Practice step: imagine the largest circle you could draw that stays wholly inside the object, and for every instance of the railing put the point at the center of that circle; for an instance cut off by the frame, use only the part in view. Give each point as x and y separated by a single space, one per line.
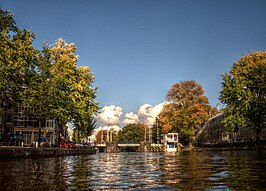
119 144
128 144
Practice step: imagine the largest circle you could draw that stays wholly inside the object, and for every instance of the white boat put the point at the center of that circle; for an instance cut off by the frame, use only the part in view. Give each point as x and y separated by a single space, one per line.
170 141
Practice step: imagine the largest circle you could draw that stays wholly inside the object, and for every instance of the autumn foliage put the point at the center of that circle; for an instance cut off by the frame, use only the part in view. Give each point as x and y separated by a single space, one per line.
187 109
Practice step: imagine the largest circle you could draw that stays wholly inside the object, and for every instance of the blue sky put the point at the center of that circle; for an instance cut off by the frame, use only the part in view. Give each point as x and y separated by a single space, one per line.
137 49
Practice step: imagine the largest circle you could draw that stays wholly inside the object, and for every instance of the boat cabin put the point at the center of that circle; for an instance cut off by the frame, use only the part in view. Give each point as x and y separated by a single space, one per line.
170 141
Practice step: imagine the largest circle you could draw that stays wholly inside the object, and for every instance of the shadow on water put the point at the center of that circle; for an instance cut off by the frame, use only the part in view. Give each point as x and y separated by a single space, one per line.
228 170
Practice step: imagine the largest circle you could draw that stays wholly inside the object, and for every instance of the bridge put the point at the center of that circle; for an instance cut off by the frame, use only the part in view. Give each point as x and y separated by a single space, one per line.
120 145
114 147
129 147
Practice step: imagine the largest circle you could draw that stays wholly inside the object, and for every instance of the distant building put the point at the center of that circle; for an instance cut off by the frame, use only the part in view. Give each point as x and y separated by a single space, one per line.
214 132
12 121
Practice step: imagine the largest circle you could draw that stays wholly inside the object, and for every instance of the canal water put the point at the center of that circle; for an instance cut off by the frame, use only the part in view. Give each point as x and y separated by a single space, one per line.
207 170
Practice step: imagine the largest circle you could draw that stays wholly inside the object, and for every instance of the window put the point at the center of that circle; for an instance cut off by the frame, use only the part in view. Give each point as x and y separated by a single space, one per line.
27 137
50 123
9 118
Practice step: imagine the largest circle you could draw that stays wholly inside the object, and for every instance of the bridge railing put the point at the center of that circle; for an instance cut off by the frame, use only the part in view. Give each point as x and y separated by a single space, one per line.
128 144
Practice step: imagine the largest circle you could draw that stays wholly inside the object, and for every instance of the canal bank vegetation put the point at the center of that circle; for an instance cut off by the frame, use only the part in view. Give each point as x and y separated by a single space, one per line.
48 82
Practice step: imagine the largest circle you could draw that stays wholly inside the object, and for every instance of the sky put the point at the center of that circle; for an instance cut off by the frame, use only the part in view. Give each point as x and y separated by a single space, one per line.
137 49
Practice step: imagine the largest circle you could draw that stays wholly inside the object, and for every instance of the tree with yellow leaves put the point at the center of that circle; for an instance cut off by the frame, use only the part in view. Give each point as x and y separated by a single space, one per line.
62 90
72 89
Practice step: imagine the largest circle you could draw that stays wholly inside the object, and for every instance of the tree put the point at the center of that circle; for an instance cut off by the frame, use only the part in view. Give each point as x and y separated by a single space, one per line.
244 93
7 22
18 59
61 90
71 93
132 133
186 111
49 82
37 93
82 102
85 130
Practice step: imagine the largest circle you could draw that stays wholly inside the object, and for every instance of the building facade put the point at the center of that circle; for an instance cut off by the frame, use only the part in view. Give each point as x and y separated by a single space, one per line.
12 121
214 132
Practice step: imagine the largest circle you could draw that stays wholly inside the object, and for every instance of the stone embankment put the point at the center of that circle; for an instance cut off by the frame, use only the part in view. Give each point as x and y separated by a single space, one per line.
248 145
29 152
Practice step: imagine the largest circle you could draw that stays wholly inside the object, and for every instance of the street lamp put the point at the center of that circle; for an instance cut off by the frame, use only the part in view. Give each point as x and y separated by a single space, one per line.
5 108
157 130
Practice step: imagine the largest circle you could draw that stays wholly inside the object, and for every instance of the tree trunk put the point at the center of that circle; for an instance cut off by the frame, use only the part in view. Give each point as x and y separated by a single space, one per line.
78 134
58 127
39 133
258 130
191 141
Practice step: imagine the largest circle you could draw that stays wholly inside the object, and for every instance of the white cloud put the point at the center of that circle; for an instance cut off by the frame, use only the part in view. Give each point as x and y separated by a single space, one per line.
110 115
131 118
106 127
113 128
148 113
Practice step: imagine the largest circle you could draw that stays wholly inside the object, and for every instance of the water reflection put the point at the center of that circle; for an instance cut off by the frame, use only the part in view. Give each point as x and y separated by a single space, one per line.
230 170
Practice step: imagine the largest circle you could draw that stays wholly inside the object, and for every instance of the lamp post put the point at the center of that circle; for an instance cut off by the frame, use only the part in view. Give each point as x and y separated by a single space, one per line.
150 139
157 130
145 139
145 134
5 109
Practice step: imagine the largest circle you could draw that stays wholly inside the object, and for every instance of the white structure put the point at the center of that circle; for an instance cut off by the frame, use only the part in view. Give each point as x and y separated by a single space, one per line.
170 141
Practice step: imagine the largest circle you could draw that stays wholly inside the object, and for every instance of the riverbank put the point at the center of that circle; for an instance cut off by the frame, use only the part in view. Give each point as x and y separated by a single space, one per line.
250 145
29 152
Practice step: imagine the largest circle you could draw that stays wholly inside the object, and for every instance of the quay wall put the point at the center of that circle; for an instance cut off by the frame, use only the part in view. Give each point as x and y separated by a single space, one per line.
248 145
29 152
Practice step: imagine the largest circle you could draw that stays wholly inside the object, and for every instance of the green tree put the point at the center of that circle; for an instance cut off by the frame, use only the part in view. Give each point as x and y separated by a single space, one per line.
89 127
37 93
7 22
82 105
186 111
18 60
85 130
244 93
132 133
49 82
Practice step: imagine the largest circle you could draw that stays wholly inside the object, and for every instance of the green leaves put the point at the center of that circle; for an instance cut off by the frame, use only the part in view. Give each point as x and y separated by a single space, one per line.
244 92
18 59
132 133
49 82
7 21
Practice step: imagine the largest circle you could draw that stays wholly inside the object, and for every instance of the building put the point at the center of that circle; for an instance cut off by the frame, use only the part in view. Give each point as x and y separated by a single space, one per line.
214 132
13 122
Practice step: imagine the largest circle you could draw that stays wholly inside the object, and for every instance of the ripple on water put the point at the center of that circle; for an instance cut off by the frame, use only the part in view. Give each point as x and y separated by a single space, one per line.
138 171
